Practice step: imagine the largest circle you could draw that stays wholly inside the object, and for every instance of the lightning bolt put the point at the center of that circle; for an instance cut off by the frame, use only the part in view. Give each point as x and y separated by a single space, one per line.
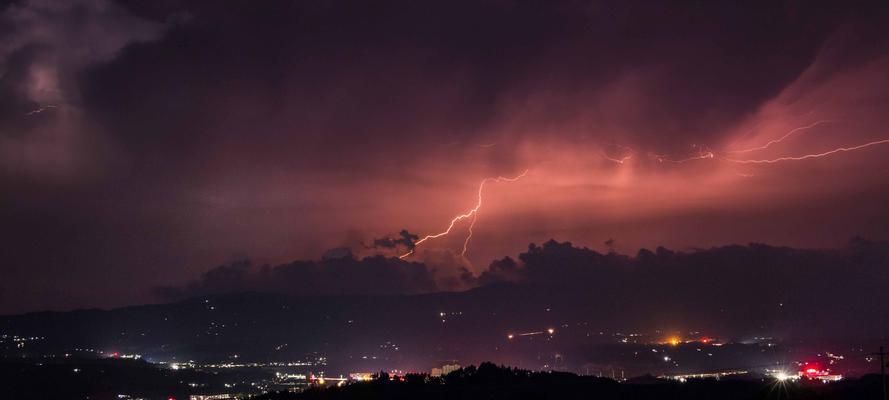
808 156
786 135
469 234
701 156
40 110
472 213
624 149
704 153
617 160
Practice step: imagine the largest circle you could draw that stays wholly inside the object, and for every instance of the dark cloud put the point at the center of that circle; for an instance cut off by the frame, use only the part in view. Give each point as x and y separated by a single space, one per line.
728 290
45 130
406 239
724 287
331 276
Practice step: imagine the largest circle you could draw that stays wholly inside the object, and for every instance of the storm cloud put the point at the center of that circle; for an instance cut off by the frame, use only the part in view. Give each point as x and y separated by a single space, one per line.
141 142
723 288
339 276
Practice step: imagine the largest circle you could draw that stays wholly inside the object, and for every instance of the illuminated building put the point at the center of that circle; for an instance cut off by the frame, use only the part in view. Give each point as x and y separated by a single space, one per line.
444 370
448 368
361 376
814 372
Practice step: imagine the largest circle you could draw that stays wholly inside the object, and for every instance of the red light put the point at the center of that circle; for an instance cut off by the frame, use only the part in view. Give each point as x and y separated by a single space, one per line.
812 370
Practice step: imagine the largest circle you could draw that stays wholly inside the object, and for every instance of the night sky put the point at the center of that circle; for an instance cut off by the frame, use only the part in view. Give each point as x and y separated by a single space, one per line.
144 143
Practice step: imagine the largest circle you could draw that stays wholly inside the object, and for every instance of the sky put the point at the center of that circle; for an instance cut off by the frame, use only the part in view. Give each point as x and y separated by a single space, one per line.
144 143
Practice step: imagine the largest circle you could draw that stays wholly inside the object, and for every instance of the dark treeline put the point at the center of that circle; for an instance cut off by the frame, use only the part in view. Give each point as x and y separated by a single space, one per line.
492 382
100 379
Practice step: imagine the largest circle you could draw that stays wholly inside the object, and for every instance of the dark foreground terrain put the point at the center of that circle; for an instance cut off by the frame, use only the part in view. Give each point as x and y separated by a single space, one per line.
491 382
127 379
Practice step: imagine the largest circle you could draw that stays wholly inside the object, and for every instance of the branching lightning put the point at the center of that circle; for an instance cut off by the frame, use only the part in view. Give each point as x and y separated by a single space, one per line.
808 156
703 153
625 151
40 110
472 213
469 234
617 160
779 140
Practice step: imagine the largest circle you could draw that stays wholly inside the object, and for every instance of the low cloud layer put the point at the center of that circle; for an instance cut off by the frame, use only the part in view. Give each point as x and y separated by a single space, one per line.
332 276
722 288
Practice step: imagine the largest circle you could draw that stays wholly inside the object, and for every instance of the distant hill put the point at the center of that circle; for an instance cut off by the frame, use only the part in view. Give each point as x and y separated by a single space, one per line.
589 299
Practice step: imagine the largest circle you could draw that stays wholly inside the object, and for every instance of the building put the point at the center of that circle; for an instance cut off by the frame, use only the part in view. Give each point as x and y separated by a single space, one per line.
814 371
448 368
360 376
444 370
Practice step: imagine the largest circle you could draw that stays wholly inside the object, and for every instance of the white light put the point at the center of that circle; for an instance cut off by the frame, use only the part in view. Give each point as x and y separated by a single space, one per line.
781 376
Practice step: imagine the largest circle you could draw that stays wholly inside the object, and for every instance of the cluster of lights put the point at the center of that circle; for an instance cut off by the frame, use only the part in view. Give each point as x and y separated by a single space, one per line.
230 365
